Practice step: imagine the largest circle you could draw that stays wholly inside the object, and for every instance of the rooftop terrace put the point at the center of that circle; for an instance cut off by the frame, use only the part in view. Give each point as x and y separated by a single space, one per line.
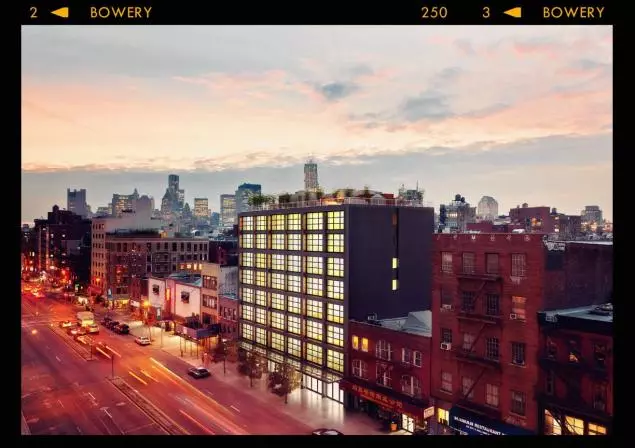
324 202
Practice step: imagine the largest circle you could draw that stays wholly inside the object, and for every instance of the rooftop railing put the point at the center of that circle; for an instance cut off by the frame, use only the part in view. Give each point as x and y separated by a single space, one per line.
340 201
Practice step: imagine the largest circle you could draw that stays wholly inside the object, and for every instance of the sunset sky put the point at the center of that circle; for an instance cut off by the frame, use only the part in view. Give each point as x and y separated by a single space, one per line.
522 113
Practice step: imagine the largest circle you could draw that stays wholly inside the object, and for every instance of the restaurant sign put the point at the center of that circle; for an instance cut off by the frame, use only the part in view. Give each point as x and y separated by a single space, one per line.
376 397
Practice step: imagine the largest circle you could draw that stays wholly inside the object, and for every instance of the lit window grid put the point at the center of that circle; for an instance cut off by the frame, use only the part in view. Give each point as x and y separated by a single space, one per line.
294 221
294 325
315 309
247 312
335 289
314 286
335 335
314 242
277 281
335 220
247 241
278 262
277 301
277 241
261 223
335 360
314 330
294 283
247 276
261 316
247 331
277 222
294 263
277 320
335 267
261 278
261 298
335 313
247 295
261 260
261 241
315 221
294 241
261 336
314 265
335 242
294 305
247 223
277 341
247 259
314 353
294 347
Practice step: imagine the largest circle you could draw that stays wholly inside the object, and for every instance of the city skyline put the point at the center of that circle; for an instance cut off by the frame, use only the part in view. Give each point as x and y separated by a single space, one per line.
523 114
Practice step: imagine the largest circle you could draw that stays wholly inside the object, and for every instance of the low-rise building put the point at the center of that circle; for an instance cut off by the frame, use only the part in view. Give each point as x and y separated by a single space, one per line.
228 315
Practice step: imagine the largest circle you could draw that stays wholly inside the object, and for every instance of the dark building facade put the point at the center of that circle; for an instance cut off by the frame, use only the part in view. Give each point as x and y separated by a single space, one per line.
567 227
575 391
533 219
223 252
487 291
228 315
304 272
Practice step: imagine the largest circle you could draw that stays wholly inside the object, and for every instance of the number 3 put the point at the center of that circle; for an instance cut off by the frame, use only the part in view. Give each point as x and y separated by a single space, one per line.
486 12
33 10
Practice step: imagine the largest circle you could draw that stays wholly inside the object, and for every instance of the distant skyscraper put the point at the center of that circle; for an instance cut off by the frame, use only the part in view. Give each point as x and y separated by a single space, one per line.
243 193
227 210
215 220
592 214
76 202
311 176
173 182
201 208
174 198
456 215
487 209
121 202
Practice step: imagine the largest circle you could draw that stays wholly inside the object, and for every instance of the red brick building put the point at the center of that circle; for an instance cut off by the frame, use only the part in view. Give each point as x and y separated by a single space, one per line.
228 315
490 227
487 291
575 391
389 372
534 219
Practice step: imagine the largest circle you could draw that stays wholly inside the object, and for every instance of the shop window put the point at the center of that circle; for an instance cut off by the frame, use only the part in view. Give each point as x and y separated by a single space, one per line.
446 262
596 430
518 353
467 385
446 382
360 369
383 375
574 426
519 401
443 416
552 426
492 395
519 265
492 349
383 350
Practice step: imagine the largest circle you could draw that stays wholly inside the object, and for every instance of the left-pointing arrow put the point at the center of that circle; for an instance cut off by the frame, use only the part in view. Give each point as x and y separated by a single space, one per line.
62 12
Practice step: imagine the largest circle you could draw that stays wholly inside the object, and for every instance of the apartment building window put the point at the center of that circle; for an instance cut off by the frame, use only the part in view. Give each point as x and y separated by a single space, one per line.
278 262
294 263
596 430
519 307
315 221
335 360
314 309
574 351
467 385
261 261
335 289
247 259
492 305
277 301
335 242
277 241
491 263
314 330
468 341
383 350
247 223
518 353
314 242
383 374
294 347
406 356
335 220
261 241
277 320
446 262
446 335
261 316
335 335
277 222
294 241
294 221
294 305
261 278
599 355
247 295
395 284
246 241
314 353
277 341
417 358
294 325
599 396
492 349
446 297
519 267
410 385
395 263
261 223
360 369
248 312
277 281
550 382
335 313
294 283
314 265
492 395
247 331
261 298
261 336
446 382
468 301
355 342
469 263
519 401
247 276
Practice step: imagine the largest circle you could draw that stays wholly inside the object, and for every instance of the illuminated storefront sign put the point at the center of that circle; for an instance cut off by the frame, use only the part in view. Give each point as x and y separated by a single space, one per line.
376 397
473 424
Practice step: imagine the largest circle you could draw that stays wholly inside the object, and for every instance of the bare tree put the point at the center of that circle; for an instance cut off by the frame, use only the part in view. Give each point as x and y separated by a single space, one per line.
225 350
252 366
284 380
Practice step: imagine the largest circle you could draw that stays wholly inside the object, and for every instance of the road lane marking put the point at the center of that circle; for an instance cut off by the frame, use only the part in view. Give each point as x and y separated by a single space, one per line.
138 378
234 408
137 428
58 359
33 420
26 395
61 404
92 396
105 411
196 422
121 403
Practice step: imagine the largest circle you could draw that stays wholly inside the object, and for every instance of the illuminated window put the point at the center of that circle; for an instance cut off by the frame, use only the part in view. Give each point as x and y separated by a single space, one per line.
247 241
247 331
247 259
314 309
335 313
261 261
315 221
596 430
247 223
261 278
277 301
446 262
574 426
335 335
314 330
335 360
364 346
335 242
294 325
277 320
277 262
552 426
360 369
335 267
261 241
294 241
519 265
335 289
277 241
518 307
247 294
355 342
314 265
247 276
314 353
277 281
519 401
261 298
395 263
314 286
261 316
294 305
294 283
294 347
261 223
443 416
314 242
294 263
277 341
294 222
261 336
395 284
277 222
247 312
335 220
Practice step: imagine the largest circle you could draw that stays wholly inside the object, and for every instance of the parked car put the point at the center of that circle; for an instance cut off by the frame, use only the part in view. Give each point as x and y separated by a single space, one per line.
198 372
66 324
326 432
105 321
112 324
122 329
93 329
142 340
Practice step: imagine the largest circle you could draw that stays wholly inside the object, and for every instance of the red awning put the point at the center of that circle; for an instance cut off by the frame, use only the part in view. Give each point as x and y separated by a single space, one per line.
386 398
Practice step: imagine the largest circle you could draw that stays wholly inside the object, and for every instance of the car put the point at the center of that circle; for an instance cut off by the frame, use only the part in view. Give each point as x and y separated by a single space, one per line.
326 432
66 324
142 340
122 329
73 331
81 331
93 329
105 321
112 324
198 372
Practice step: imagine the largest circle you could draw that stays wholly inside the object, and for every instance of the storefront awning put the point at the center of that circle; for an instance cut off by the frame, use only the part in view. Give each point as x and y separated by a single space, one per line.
474 424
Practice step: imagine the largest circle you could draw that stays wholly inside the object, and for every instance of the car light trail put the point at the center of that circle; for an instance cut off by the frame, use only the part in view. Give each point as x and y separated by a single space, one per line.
148 375
137 377
196 422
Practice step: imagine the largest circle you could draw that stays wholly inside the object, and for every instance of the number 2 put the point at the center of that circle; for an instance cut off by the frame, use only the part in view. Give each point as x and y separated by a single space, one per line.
33 10
486 12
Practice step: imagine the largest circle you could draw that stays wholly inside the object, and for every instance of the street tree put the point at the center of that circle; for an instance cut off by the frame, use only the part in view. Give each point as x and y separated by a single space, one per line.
225 350
283 380
252 366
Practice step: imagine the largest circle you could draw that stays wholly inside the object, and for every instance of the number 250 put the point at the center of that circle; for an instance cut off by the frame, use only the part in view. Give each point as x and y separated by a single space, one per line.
434 13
